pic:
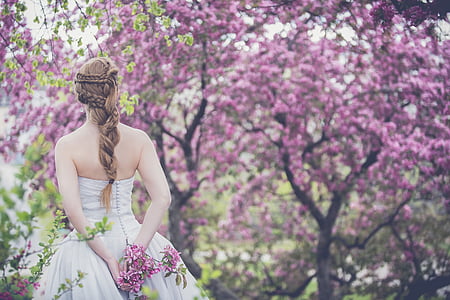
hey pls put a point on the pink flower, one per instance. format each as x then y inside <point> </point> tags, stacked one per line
<point>415,15</point>
<point>170,259</point>
<point>382,13</point>
<point>140,265</point>
<point>407,212</point>
<point>6,296</point>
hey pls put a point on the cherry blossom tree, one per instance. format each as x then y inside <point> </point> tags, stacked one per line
<point>413,11</point>
<point>355,121</point>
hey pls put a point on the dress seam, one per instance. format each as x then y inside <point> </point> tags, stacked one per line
<point>122,226</point>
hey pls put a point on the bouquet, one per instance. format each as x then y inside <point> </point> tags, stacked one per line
<point>140,265</point>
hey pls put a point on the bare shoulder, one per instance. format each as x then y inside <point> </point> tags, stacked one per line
<point>67,141</point>
<point>133,134</point>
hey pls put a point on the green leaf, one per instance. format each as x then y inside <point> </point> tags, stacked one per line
<point>216,274</point>
<point>184,281</point>
<point>155,9</point>
<point>140,22</point>
<point>83,23</point>
<point>10,64</point>
<point>168,41</point>
<point>130,66</point>
<point>23,216</point>
<point>166,21</point>
<point>189,40</point>
<point>128,50</point>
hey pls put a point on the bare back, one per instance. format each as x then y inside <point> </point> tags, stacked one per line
<point>85,147</point>
<point>76,154</point>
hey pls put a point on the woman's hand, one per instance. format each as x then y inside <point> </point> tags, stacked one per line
<point>114,268</point>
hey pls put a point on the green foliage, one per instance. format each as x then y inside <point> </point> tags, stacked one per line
<point>128,102</point>
<point>48,249</point>
<point>310,291</point>
<point>146,14</point>
<point>166,22</point>
<point>154,8</point>
<point>17,226</point>
<point>150,294</point>
<point>17,40</point>
<point>168,41</point>
<point>186,39</point>
<point>140,22</point>
<point>70,284</point>
<point>130,66</point>
<point>10,64</point>
<point>99,227</point>
<point>208,274</point>
<point>49,78</point>
<point>128,50</point>
<point>15,231</point>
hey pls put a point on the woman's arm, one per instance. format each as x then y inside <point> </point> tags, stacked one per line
<point>155,182</point>
<point>68,187</point>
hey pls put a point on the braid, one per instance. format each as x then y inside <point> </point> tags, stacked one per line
<point>96,86</point>
<point>96,78</point>
<point>92,100</point>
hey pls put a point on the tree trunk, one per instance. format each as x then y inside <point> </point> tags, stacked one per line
<point>175,235</point>
<point>421,287</point>
<point>219,291</point>
<point>323,260</point>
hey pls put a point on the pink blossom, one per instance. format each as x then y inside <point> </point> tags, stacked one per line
<point>170,260</point>
<point>407,212</point>
<point>140,265</point>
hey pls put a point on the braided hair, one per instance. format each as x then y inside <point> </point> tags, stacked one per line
<point>96,86</point>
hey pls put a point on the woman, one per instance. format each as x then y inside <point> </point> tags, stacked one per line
<point>95,168</point>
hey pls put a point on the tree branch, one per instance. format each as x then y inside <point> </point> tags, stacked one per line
<point>164,130</point>
<point>201,111</point>
<point>410,248</point>
<point>301,195</point>
<point>292,294</point>
<point>160,144</point>
<point>310,147</point>
<point>370,160</point>
<point>333,210</point>
<point>420,287</point>
<point>362,245</point>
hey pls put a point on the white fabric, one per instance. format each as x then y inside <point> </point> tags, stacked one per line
<point>74,255</point>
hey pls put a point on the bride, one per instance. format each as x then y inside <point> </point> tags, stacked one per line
<point>95,168</point>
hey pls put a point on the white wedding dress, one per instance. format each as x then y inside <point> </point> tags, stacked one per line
<point>74,255</point>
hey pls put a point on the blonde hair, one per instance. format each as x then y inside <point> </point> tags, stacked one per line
<point>96,86</point>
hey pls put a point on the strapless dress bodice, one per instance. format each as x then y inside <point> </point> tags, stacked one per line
<point>120,212</point>
<point>90,191</point>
